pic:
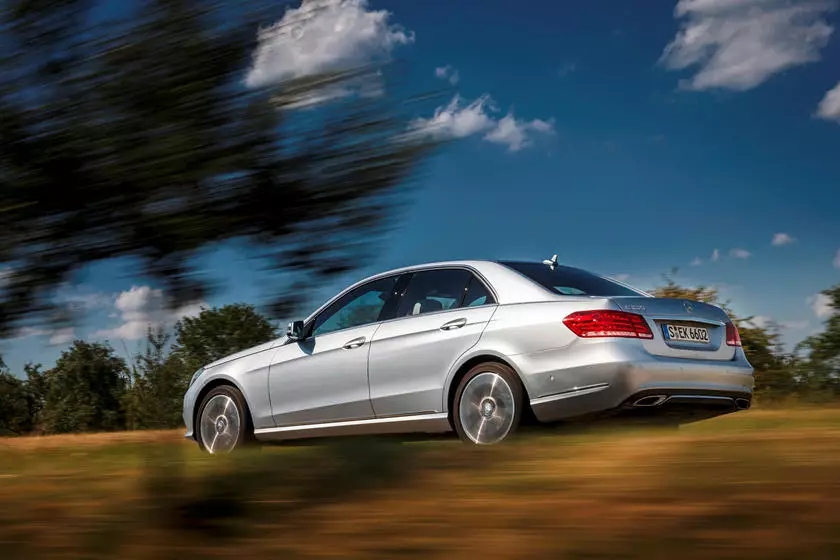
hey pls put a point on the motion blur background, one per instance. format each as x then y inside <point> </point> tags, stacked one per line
<point>179,178</point>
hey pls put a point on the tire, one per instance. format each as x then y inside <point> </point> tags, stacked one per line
<point>223,423</point>
<point>488,404</point>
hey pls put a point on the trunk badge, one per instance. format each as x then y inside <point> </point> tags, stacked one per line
<point>688,306</point>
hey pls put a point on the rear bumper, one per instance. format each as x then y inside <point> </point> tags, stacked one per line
<point>616,375</point>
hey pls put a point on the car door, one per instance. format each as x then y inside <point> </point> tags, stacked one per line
<point>324,377</point>
<point>439,316</point>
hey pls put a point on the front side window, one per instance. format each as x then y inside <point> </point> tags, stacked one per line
<point>433,290</point>
<point>361,306</point>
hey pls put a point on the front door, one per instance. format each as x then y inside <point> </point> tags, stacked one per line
<point>324,378</point>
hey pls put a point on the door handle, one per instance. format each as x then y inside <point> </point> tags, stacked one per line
<point>455,324</point>
<point>355,343</point>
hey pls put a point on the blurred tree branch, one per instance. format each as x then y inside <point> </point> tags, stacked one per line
<point>135,136</point>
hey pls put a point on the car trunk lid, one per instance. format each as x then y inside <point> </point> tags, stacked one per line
<point>682,328</point>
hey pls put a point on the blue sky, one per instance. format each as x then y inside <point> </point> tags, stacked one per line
<point>607,146</point>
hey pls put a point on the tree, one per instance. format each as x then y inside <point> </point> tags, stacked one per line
<point>36,389</point>
<point>21,400</point>
<point>134,135</point>
<point>160,381</point>
<point>14,406</point>
<point>218,332</point>
<point>820,369</point>
<point>85,390</point>
<point>775,371</point>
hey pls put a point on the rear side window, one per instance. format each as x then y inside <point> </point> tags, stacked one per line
<point>568,281</point>
<point>433,290</point>
<point>477,294</point>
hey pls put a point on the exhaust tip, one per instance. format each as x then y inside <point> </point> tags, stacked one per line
<point>742,404</point>
<point>651,400</point>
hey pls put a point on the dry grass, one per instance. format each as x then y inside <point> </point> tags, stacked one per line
<point>65,441</point>
<point>763,484</point>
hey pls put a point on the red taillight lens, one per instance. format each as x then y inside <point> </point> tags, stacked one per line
<point>604,323</point>
<point>733,337</point>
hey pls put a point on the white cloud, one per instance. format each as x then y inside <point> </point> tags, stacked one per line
<point>764,322</point>
<point>455,121</point>
<point>821,305</point>
<point>782,239</point>
<point>740,253</point>
<point>836,261</point>
<point>761,322</point>
<point>62,336</point>
<point>697,261</point>
<point>829,107</point>
<point>715,256</point>
<point>458,121</point>
<point>515,133</point>
<point>567,69</point>
<point>323,36</point>
<point>140,307</point>
<point>448,73</point>
<point>738,44</point>
<point>58,336</point>
<point>26,332</point>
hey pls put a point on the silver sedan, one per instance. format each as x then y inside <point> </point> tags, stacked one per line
<point>472,347</point>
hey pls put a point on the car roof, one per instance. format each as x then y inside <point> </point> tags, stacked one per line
<point>508,285</point>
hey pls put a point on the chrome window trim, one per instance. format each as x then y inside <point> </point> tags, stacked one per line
<point>397,275</point>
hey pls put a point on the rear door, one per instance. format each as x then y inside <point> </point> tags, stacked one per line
<point>440,315</point>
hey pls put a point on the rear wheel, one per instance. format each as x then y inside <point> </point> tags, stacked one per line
<point>488,404</point>
<point>223,421</point>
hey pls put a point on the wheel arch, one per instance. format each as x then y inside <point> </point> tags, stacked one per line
<point>466,365</point>
<point>220,381</point>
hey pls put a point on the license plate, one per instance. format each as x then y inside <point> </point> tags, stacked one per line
<point>681,333</point>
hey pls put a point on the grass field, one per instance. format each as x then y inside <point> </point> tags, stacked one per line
<point>760,484</point>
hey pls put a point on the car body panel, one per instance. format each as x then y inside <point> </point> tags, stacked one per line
<point>410,357</point>
<point>319,380</point>
<point>247,352</point>
<point>249,374</point>
<point>402,377</point>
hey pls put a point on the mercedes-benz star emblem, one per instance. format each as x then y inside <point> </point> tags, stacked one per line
<point>689,307</point>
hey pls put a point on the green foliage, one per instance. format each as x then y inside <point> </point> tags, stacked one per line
<point>218,332</point>
<point>673,290</point>
<point>36,390</point>
<point>85,390</point>
<point>136,137</point>
<point>161,378</point>
<point>159,383</point>
<point>21,400</point>
<point>821,361</point>
<point>14,410</point>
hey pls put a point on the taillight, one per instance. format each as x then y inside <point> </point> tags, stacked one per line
<point>733,337</point>
<point>604,323</point>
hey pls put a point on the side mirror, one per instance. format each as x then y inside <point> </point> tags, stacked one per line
<point>295,330</point>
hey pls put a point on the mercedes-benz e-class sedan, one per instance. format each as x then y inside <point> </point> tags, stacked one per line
<point>471,347</point>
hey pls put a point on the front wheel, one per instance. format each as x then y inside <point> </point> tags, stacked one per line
<point>488,404</point>
<point>222,421</point>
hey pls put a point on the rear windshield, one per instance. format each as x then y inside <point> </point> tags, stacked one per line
<point>569,281</point>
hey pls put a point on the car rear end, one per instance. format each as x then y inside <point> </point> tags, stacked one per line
<point>616,349</point>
